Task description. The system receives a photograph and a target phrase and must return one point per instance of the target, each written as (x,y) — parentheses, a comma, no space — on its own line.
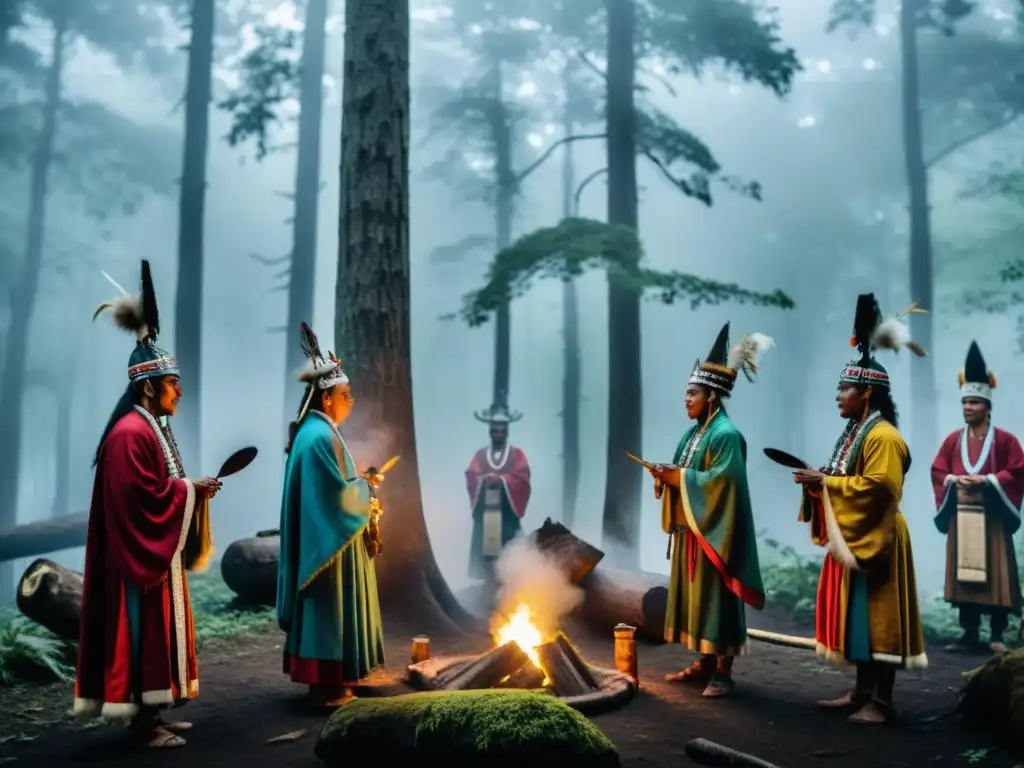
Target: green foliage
(576,245)
(215,611)
(941,15)
(270,76)
(993,698)
(501,727)
(30,653)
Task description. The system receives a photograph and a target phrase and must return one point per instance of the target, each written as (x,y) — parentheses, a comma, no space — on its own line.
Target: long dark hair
(293,427)
(881,400)
(129,399)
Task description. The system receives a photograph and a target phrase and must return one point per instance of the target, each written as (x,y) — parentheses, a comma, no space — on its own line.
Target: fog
(832,223)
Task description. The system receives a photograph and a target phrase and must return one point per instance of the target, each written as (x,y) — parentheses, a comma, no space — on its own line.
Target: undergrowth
(29,653)
(791,584)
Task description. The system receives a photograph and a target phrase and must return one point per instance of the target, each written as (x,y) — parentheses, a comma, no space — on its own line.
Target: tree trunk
(44,537)
(51,596)
(922,371)
(570,336)
(307,197)
(504,210)
(372,309)
(23,297)
(62,471)
(188,304)
(637,599)
(621,520)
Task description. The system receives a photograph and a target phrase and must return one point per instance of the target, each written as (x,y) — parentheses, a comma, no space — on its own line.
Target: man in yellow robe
(867,610)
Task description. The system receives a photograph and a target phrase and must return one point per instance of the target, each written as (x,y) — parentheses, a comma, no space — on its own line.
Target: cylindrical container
(625,651)
(420,648)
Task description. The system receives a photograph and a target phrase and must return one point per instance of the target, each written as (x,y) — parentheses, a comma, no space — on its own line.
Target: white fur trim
(950,479)
(910,662)
(158,698)
(994,482)
(976,389)
(986,447)
(836,543)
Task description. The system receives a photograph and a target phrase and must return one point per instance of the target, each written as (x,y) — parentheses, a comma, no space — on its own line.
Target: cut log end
(51,596)
(33,577)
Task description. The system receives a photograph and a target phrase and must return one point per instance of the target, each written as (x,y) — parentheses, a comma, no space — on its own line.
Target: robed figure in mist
(326,580)
(707,513)
(148,525)
(498,483)
(978,479)
(867,610)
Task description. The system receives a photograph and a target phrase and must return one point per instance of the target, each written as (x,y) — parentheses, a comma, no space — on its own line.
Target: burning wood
(528,677)
(577,661)
(490,669)
(561,670)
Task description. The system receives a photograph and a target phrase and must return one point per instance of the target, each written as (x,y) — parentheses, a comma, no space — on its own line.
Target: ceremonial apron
(492,519)
(971,533)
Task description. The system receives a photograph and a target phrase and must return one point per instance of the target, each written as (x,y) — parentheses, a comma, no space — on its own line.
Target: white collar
(985,448)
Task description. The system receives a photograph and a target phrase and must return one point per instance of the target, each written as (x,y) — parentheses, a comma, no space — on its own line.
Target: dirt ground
(245,700)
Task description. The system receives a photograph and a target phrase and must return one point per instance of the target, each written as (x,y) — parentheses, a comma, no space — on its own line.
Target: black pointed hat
(871,332)
(976,380)
(720,368)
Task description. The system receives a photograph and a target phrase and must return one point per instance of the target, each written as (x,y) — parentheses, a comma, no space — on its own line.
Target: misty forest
(551,206)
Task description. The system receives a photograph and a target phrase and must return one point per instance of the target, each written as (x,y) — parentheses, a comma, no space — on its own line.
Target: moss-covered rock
(993,697)
(489,728)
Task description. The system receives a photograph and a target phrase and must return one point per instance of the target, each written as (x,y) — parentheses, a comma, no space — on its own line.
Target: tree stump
(638,599)
(51,595)
(249,568)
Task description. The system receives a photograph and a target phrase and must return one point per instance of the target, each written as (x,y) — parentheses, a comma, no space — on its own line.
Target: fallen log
(577,661)
(51,596)
(704,752)
(44,537)
(249,568)
(490,669)
(577,557)
(564,676)
(613,596)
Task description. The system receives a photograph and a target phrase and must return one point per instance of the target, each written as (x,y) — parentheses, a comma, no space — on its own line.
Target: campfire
(523,658)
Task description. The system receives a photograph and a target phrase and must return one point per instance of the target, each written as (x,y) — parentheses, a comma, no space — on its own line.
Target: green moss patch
(993,697)
(488,727)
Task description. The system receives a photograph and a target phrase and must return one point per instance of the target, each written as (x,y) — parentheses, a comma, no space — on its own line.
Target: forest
(554,205)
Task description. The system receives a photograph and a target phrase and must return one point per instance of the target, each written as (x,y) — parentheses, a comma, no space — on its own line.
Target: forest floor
(245,700)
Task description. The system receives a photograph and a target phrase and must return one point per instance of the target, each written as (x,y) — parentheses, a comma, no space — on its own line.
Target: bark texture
(372,309)
(51,596)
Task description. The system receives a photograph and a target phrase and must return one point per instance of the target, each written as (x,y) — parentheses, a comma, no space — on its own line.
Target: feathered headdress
(871,332)
(498,413)
(138,314)
(722,365)
(976,380)
(324,371)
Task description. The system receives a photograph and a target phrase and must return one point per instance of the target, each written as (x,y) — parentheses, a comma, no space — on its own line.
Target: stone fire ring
(616,688)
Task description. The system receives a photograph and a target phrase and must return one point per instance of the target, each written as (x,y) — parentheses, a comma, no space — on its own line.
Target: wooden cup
(420,648)
(625,652)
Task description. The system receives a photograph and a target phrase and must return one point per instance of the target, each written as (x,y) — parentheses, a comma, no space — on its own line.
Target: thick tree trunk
(188,304)
(621,520)
(23,297)
(503,213)
(922,371)
(44,537)
(635,598)
(307,197)
(249,569)
(51,596)
(570,336)
(372,296)
(62,471)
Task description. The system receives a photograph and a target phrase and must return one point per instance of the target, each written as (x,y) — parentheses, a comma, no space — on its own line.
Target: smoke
(528,576)
(369,444)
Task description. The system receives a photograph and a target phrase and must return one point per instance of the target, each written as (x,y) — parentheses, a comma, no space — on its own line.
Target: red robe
(513,470)
(137,641)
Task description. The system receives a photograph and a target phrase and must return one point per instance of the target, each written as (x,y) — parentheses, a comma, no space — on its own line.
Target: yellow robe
(868,573)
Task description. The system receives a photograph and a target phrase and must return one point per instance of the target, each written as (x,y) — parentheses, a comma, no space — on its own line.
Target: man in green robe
(326,583)
(706,512)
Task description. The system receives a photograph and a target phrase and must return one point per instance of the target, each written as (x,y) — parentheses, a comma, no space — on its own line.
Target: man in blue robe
(326,584)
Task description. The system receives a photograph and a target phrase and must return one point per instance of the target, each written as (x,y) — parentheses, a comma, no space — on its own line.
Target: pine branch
(970,138)
(267,262)
(576,245)
(551,149)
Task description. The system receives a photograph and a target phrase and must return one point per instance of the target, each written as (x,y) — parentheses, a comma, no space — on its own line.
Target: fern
(30,653)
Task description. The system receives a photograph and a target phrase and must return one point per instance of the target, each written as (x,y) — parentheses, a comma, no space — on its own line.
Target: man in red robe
(148,524)
(978,479)
(498,483)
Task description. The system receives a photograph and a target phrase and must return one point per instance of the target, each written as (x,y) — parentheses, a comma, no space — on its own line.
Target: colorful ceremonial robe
(499,490)
(981,564)
(867,608)
(715,567)
(137,641)
(326,582)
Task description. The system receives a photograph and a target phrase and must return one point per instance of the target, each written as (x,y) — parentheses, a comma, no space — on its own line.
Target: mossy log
(992,698)
(249,568)
(51,595)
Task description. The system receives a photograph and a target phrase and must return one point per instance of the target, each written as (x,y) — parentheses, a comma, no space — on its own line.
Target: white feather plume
(743,356)
(895,335)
